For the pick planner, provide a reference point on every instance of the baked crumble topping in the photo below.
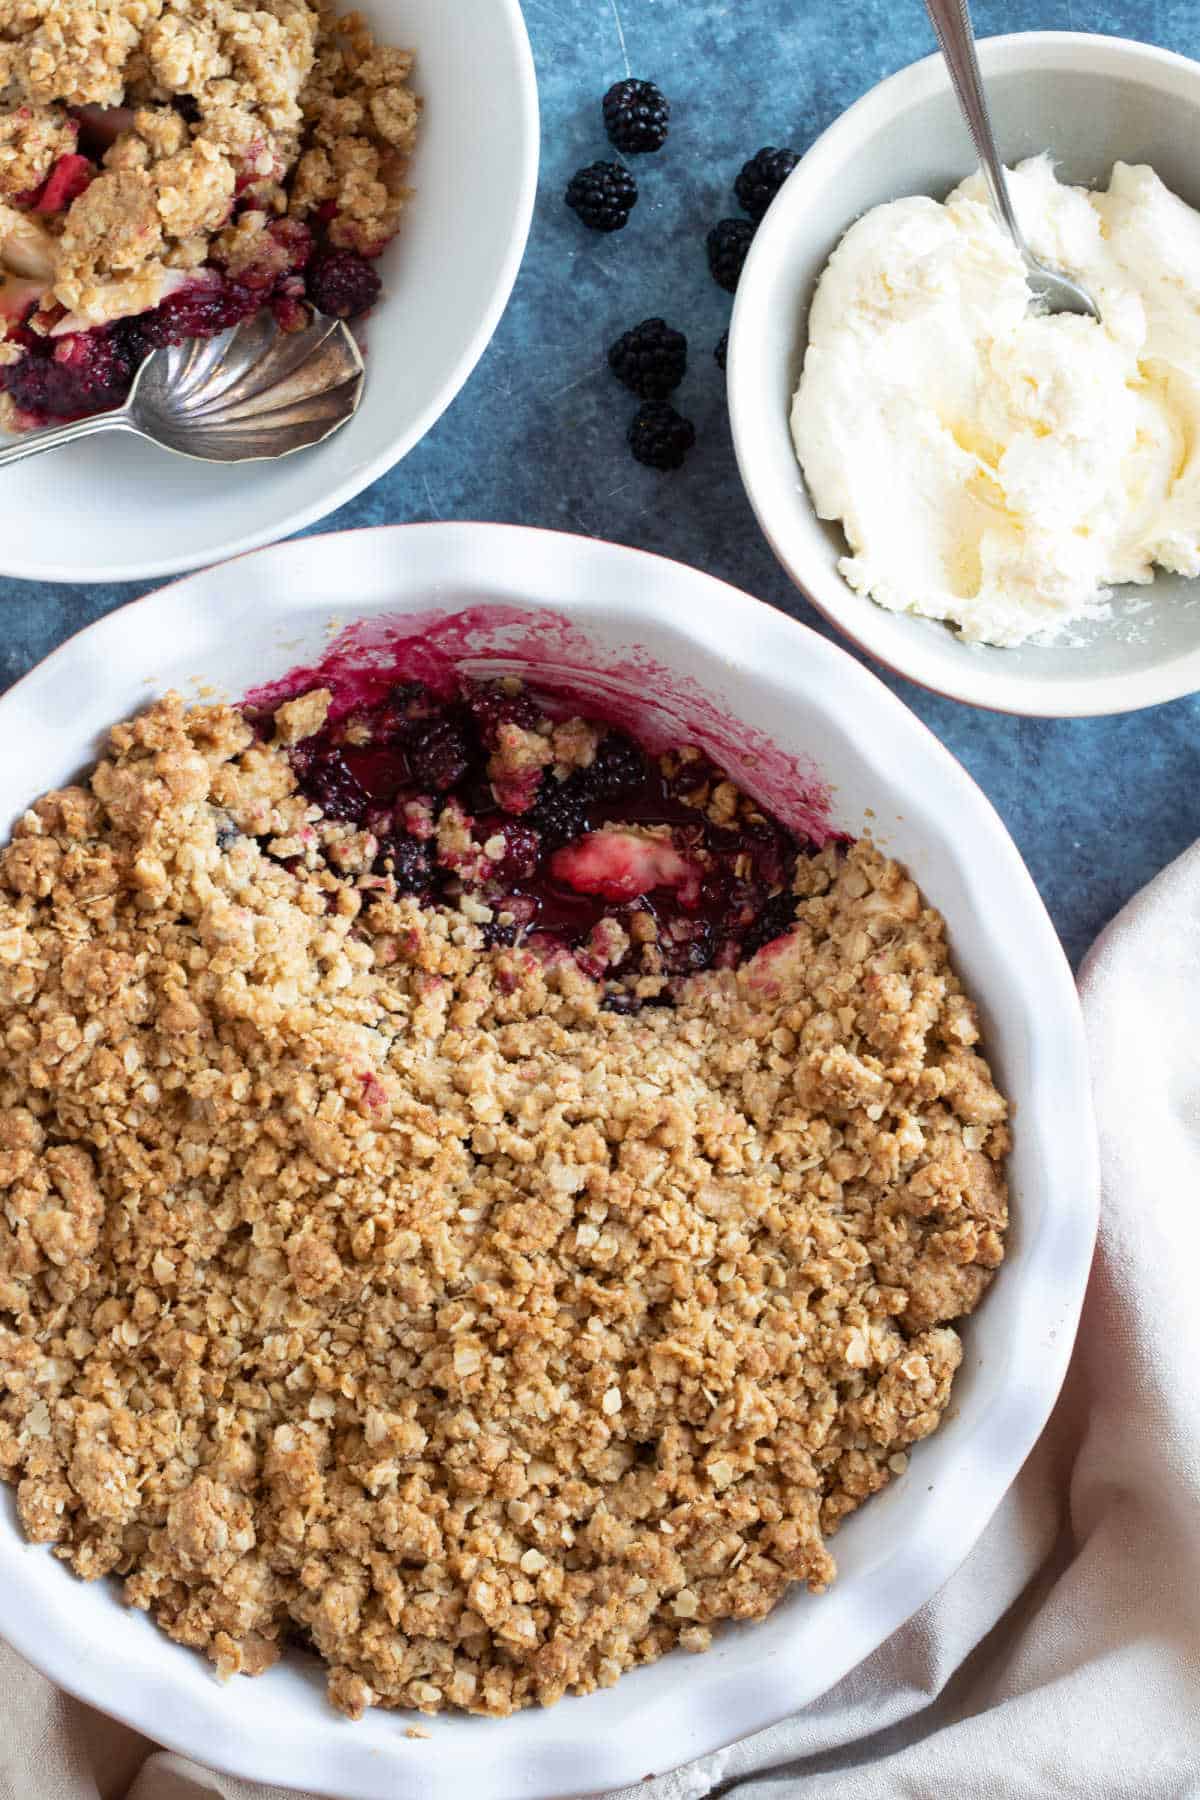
(484, 1301)
(192, 159)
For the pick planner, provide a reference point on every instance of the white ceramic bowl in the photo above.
(1090, 101)
(692, 653)
(114, 509)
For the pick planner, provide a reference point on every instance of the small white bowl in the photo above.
(1090, 101)
(691, 657)
(114, 509)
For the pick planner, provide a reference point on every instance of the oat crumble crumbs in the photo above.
(361, 1283)
(186, 109)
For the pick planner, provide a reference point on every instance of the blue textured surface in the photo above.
(537, 436)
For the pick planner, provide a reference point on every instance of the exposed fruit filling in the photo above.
(476, 1199)
(553, 833)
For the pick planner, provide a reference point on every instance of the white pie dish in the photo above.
(115, 509)
(1090, 101)
(232, 628)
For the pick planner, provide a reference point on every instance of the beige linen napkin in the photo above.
(1064, 1657)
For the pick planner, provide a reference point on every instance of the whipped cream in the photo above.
(991, 466)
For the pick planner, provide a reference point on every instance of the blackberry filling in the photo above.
(560, 833)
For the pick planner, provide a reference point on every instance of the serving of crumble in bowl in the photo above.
(517, 1110)
(169, 168)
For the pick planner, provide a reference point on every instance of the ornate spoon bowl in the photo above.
(252, 393)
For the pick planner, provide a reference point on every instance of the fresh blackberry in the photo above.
(659, 437)
(603, 195)
(619, 768)
(728, 245)
(499, 937)
(760, 179)
(651, 359)
(636, 116)
(342, 284)
(722, 350)
(559, 813)
(776, 917)
(408, 861)
(439, 757)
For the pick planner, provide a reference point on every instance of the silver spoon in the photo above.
(1054, 291)
(251, 393)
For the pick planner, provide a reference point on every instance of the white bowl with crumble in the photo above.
(168, 170)
(519, 1117)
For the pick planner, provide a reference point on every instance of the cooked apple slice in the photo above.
(111, 299)
(621, 865)
(17, 297)
(26, 247)
(70, 177)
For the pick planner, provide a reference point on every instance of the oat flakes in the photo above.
(362, 1284)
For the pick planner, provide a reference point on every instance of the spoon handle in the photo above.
(32, 443)
(952, 23)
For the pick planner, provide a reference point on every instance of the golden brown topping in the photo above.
(285, 105)
(358, 1280)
